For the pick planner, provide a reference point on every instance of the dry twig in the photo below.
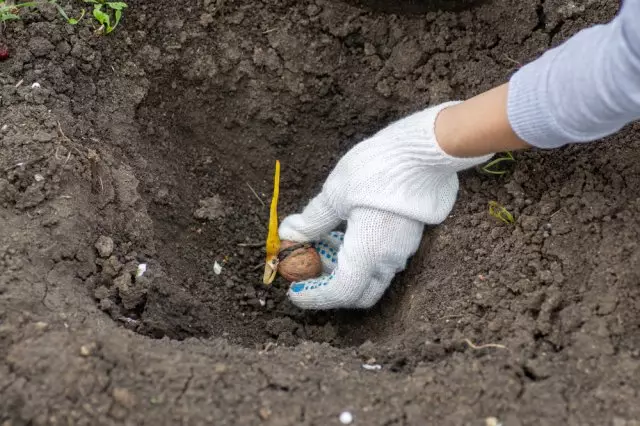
(488, 345)
(252, 245)
(256, 194)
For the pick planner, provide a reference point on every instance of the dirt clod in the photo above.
(277, 326)
(210, 208)
(124, 397)
(104, 245)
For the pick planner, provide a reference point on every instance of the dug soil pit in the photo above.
(135, 176)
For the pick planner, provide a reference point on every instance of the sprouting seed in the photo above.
(500, 212)
(273, 240)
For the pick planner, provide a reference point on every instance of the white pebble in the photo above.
(38, 177)
(217, 268)
(35, 85)
(372, 366)
(142, 268)
(346, 418)
(4, 127)
(492, 421)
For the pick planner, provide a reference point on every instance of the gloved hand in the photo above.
(386, 188)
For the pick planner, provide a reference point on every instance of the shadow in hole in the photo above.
(386, 320)
(414, 7)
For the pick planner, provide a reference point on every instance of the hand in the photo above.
(386, 188)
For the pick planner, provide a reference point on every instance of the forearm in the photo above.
(478, 126)
(582, 90)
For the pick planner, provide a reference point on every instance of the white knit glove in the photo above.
(386, 188)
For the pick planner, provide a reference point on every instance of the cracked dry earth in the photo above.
(145, 147)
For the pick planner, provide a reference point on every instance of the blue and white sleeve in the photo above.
(583, 90)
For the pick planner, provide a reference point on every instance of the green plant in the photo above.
(500, 212)
(107, 13)
(495, 168)
(71, 21)
(8, 12)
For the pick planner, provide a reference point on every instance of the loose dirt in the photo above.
(155, 146)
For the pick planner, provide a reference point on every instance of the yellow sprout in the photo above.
(273, 240)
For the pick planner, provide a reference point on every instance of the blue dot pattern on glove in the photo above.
(311, 284)
(328, 248)
(326, 251)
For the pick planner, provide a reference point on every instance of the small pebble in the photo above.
(142, 268)
(346, 418)
(264, 413)
(372, 366)
(35, 85)
(492, 421)
(124, 397)
(217, 268)
(40, 325)
(86, 350)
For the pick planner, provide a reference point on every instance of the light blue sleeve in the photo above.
(584, 89)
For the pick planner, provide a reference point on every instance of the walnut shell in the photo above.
(301, 264)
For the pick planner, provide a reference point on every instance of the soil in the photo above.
(155, 146)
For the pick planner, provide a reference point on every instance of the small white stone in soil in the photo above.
(217, 268)
(142, 268)
(38, 177)
(262, 302)
(492, 421)
(372, 366)
(35, 85)
(346, 418)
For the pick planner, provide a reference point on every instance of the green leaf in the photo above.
(102, 17)
(9, 17)
(118, 17)
(493, 168)
(27, 4)
(117, 5)
(61, 11)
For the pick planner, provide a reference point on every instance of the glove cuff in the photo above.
(413, 138)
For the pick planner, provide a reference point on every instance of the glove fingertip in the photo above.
(292, 229)
(296, 287)
(299, 286)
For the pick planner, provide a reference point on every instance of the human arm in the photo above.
(583, 90)
(388, 186)
(478, 126)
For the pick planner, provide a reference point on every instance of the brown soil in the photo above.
(145, 146)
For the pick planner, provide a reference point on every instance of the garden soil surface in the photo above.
(155, 145)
